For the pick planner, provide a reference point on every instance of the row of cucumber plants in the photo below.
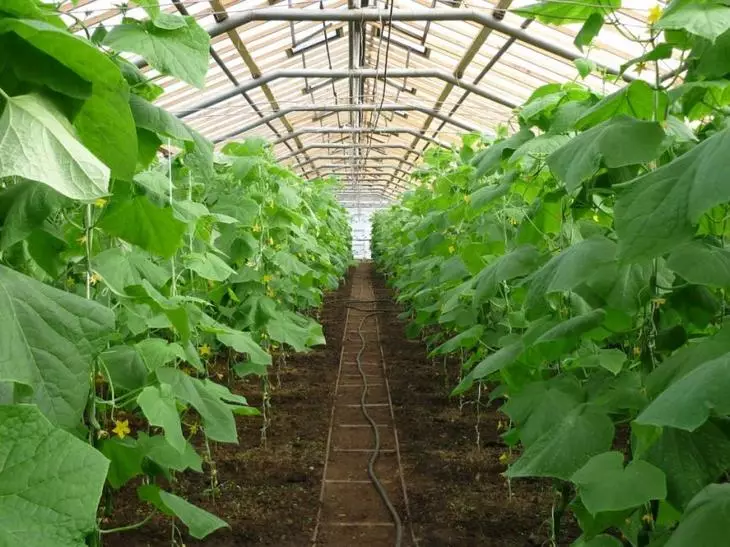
(132, 259)
(578, 267)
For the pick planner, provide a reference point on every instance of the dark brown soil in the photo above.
(269, 496)
(456, 492)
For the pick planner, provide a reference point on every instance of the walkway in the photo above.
(352, 512)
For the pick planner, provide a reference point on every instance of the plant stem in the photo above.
(129, 526)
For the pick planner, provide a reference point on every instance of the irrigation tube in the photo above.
(376, 450)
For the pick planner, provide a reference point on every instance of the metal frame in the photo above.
(370, 22)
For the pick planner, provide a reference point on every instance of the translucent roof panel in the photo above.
(361, 96)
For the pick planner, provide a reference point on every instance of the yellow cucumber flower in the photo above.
(121, 429)
(655, 14)
(205, 350)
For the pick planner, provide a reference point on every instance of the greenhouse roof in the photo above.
(360, 90)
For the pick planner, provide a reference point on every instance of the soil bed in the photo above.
(456, 492)
(269, 496)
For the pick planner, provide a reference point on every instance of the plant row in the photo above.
(134, 264)
(576, 266)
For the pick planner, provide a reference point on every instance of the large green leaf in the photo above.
(689, 402)
(37, 143)
(573, 266)
(158, 406)
(209, 266)
(659, 209)
(297, 331)
(706, 18)
(492, 363)
(637, 100)
(158, 120)
(181, 52)
(200, 523)
(48, 340)
(557, 12)
(242, 342)
(702, 264)
(604, 484)
(120, 269)
(217, 417)
(690, 461)
(520, 262)
(24, 206)
(565, 448)
(141, 222)
(618, 142)
(126, 371)
(488, 161)
(706, 522)
(50, 482)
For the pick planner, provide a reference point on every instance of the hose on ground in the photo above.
(376, 451)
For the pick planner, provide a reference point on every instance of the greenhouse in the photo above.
(364, 273)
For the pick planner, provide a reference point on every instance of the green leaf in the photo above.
(48, 340)
(120, 269)
(218, 421)
(467, 339)
(200, 523)
(51, 482)
(144, 224)
(125, 458)
(688, 402)
(518, 263)
(604, 484)
(159, 451)
(662, 51)
(125, 367)
(690, 461)
(242, 342)
(565, 336)
(611, 359)
(158, 406)
(557, 12)
(208, 266)
(488, 161)
(158, 120)
(602, 540)
(701, 264)
(37, 143)
(706, 522)
(567, 270)
(587, 33)
(180, 52)
(584, 66)
(156, 353)
(659, 209)
(492, 363)
(24, 206)
(637, 100)
(565, 448)
(106, 127)
(706, 18)
(618, 142)
(295, 330)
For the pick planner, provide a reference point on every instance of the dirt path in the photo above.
(353, 510)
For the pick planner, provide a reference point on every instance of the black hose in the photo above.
(376, 451)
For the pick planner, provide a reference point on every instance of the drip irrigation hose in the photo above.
(376, 450)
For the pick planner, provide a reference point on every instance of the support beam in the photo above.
(348, 130)
(342, 74)
(377, 14)
(344, 157)
(344, 146)
(352, 108)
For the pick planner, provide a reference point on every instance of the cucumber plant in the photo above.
(133, 262)
(579, 261)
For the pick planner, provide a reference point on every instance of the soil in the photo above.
(268, 495)
(456, 493)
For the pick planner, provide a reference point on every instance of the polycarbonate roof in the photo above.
(321, 142)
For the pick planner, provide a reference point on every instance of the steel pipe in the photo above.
(377, 14)
(345, 157)
(347, 146)
(338, 74)
(351, 108)
(347, 130)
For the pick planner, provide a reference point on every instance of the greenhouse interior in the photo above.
(364, 273)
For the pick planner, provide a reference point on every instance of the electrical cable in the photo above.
(376, 450)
